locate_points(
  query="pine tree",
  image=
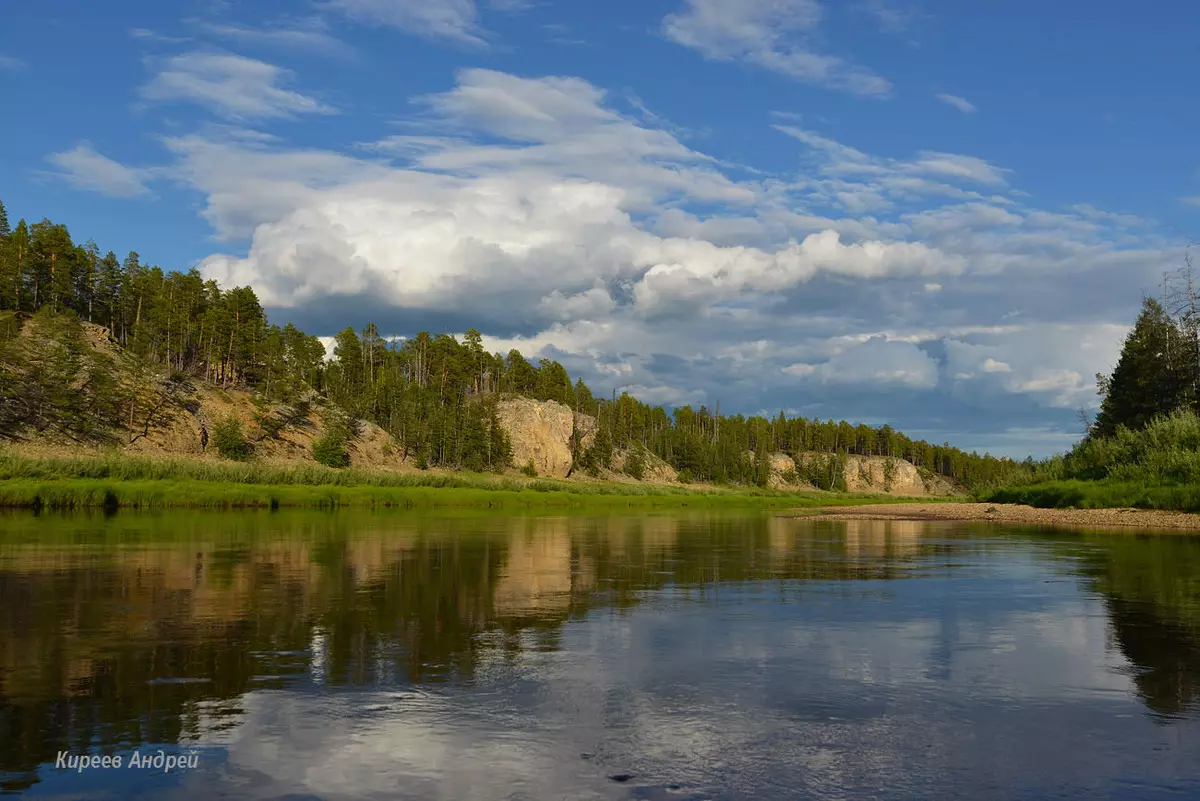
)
(1152, 376)
(5, 229)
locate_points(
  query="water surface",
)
(659, 656)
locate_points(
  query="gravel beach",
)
(1012, 513)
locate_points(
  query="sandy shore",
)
(1012, 513)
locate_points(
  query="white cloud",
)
(993, 366)
(890, 18)
(773, 34)
(231, 86)
(858, 183)
(960, 103)
(309, 35)
(1191, 200)
(952, 165)
(881, 363)
(640, 262)
(11, 63)
(456, 20)
(147, 35)
(84, 168)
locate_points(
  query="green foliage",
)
(331, 448)
(635, 463)
(499, 444)
(824, 471)
(53, 382)
(889, 473)
(1103, 494)
(1156, 374)
(529, 468)
(230, 441)
(599, 455)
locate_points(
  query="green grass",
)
(1101, 494)
(115, 481)
(1154, 467)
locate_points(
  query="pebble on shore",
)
(1012, 513)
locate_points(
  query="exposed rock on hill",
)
(876, 474)
(541, 431)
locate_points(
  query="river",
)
(305, 655)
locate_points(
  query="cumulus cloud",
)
(539, 211)
(84, 168)
(772, 34)
(231, 86)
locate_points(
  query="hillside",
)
(68, 386)
(174, 421)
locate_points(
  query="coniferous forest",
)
(434, 393)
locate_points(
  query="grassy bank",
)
(1155, 467)
(117, 481)
(1100, 494)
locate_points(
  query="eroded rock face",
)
(541, 430)
(879, 474)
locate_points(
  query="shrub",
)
(530, 469)
(230, 441)
(330, 449)
(635, 463)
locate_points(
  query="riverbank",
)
(1013, 513)
(123, 482)
(114, 494)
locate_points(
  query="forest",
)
(434, 393)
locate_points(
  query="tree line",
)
(434, 393)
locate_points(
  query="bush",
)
(635, 464)
(530, 469)
(230, 441)
(331, 448)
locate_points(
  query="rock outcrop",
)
(541, 431)
(880, 474)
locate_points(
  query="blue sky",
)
(938, 215)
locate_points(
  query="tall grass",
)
(1156, 467)
(120, 481)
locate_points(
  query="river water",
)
(651, 656)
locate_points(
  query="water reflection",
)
(494, 657)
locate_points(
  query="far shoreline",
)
(1119, 518)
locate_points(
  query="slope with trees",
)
(167, 332)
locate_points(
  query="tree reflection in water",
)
(147, 630)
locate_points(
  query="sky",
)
(937, 215)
